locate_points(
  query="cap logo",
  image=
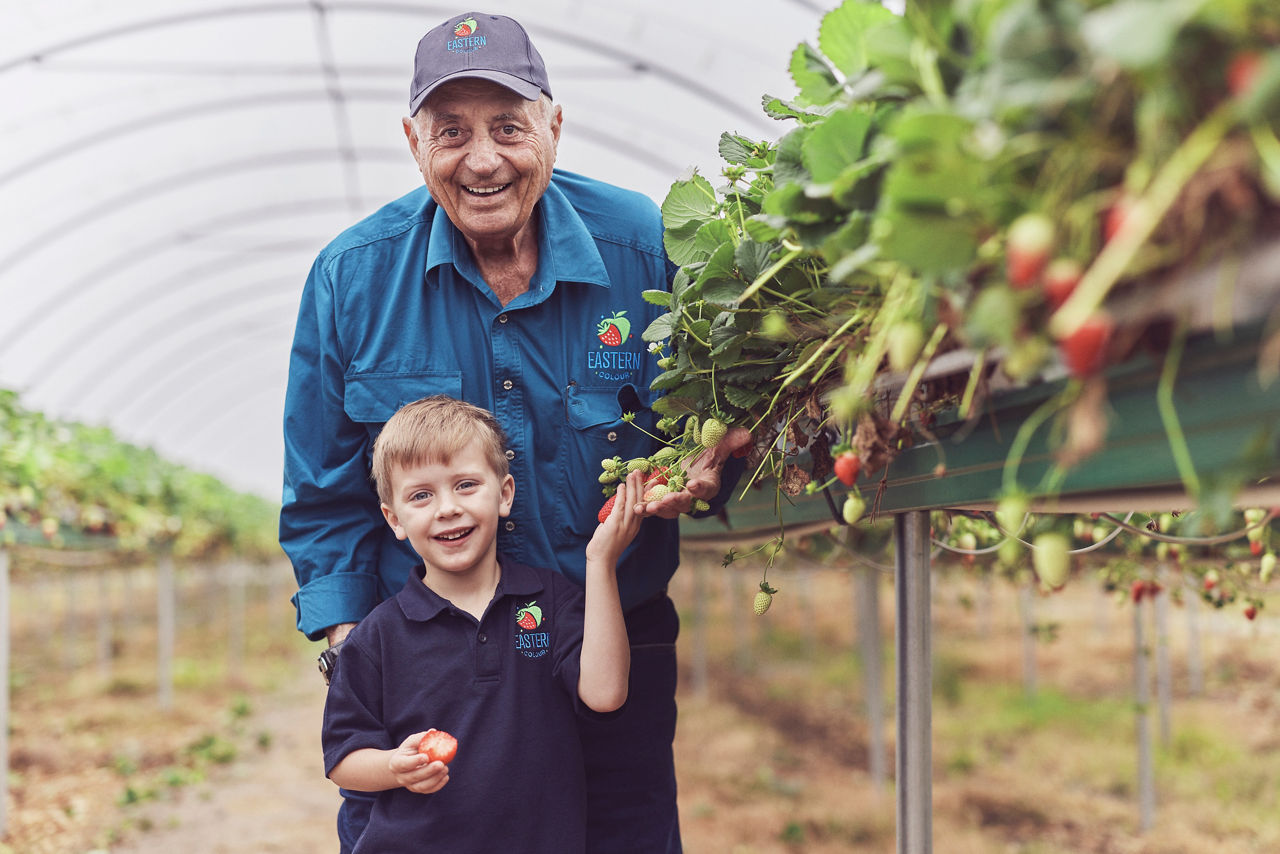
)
(465, 39)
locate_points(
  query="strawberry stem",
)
(1169, 414)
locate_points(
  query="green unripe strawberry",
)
(1011, 513)
(701, 505)
(764, 598)
(609, 464)
(608, 477)
(656, 492)
(1050, 559)
(905, 341)
(1266, 566)
(639, 464)
(713, 430)
(666, 454)
(853, 508)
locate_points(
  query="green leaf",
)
(836, 144)
(925, 241)
(667, 380)
(723, 291)
(719, 266)
(689, 201)
(660, 329)
(656, 297)
(763, 228)
(752, 257)
(742, 398)
(681, 245)
(1138, 34)
(735, 149)
(812, 75)
(844, 31)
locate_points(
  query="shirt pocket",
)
(595, 430)
(371, 399)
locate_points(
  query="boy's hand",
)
(703, 477)
(623, 523)
(414, 771)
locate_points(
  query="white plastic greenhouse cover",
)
(168, 171)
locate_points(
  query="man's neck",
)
(508, 265)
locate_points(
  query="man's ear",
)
(411, 136)
(392, 520)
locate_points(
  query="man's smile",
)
(486, 191)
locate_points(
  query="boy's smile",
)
(448, 510)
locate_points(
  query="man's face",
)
(486, 155)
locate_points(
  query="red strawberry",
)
(438, 746)
(607, 509)
(1250, 611)
(1084, 351)
(1060, 279)
(611, 337)
(1242, 71)
(1255, 546)
(1116, 217)
(1027, 251)
(847, 466)
(1137, 590)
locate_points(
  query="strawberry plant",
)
(986, 176)
(66, 479)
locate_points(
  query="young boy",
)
(501, 655)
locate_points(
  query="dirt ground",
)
(771, 748)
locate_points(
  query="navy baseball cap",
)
(491, 47)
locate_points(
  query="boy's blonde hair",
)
(433, 430)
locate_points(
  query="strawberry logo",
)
(612, 331)
(465, 28)
(529, 617)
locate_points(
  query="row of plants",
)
(75, 483)
(983, 176)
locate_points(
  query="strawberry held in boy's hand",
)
(438, 746)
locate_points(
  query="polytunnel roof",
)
(168, 172)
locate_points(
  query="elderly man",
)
(516, 287)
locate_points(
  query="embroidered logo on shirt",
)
(608, 361)
(466, 40)
(529, 642)
(530, 616)
(612, 331)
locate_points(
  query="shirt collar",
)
(420, 603)
(566, 248)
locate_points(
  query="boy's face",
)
(449, 511)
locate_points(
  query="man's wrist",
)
(336, 634)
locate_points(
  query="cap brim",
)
(523, 88)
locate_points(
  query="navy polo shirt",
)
(506, 687)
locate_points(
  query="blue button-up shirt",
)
(395, 309)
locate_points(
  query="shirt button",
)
(511, 455)
(483, 638)
(502, 318)
(510, 526)
(613, 436)
(508, 385)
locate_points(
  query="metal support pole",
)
(915, 677)
(4, 689)
(866, 581)
(166, 595)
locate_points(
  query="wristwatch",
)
(328, 661)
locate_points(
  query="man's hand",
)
(703, 478)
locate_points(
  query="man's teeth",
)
(486, 191)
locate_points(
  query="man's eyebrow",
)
(453, 117)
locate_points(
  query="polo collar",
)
(420, 603)
(566, 248)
